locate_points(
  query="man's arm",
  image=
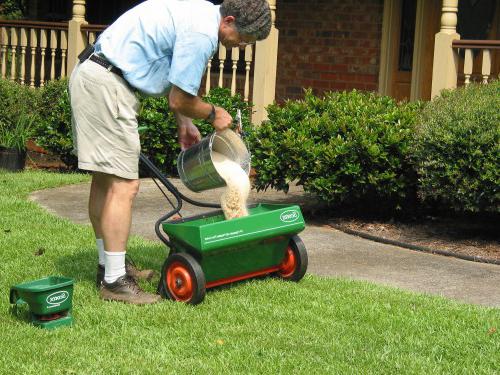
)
(193, 107)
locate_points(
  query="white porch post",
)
(445, 66)
(76, 39)
(266, 63)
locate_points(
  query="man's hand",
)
(188, 134)
(223, 119)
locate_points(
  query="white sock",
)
(100, 249)
(115, 265)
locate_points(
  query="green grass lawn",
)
(267, 326)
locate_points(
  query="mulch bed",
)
(476, 238)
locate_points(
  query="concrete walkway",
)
(331, 253)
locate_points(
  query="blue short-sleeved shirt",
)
(160, 43)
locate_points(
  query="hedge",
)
(54, 130)
(157, 125)
(457, 150)
(350, 149)
(17, 114)
(347, 148)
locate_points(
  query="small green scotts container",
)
(49, 300)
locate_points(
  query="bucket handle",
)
(14, 297)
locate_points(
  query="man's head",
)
(244, 22)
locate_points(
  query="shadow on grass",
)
(82, 265)
(20, 312)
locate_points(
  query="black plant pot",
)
(12, 159)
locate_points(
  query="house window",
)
(407, 36)
(475, 18)
(106, 12)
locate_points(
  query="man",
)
(160, 47)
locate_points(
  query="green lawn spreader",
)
(207, 251)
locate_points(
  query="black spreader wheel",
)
(294, 264)
(182, 279)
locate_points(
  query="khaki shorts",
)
(104, 121)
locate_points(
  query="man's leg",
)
(96, 201)
(98, 194)
(111, 200)
(110, 209)
(114, 197)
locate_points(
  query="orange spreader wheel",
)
(288, 264)
(295, 260)
(179, 282)
(183, 279)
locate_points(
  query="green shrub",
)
(457, 149)
(156, 122)
(17, 114)
(12, 9)
(54, 133)
(159, 129)
(348, 148)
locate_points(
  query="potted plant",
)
(13, 138)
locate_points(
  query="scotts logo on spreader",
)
(289, 216)
(55, 299)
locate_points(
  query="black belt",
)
(88, 54)
(105, 63)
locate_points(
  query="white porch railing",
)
(470, 72)
(446, 66)
(33, 52)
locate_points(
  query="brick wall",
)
(328, 45)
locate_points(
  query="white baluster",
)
(5, 41)
(53, 47)
(248, 62)
(209, 73)
(468, 62)
(43, 47)
(24, 44)
(64, 48)
(13, 43)
(235, 56)
(92, 37)
(486, 69)
(34, 43)
(222, 59)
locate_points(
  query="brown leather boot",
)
(131, 270)
(125, 289)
